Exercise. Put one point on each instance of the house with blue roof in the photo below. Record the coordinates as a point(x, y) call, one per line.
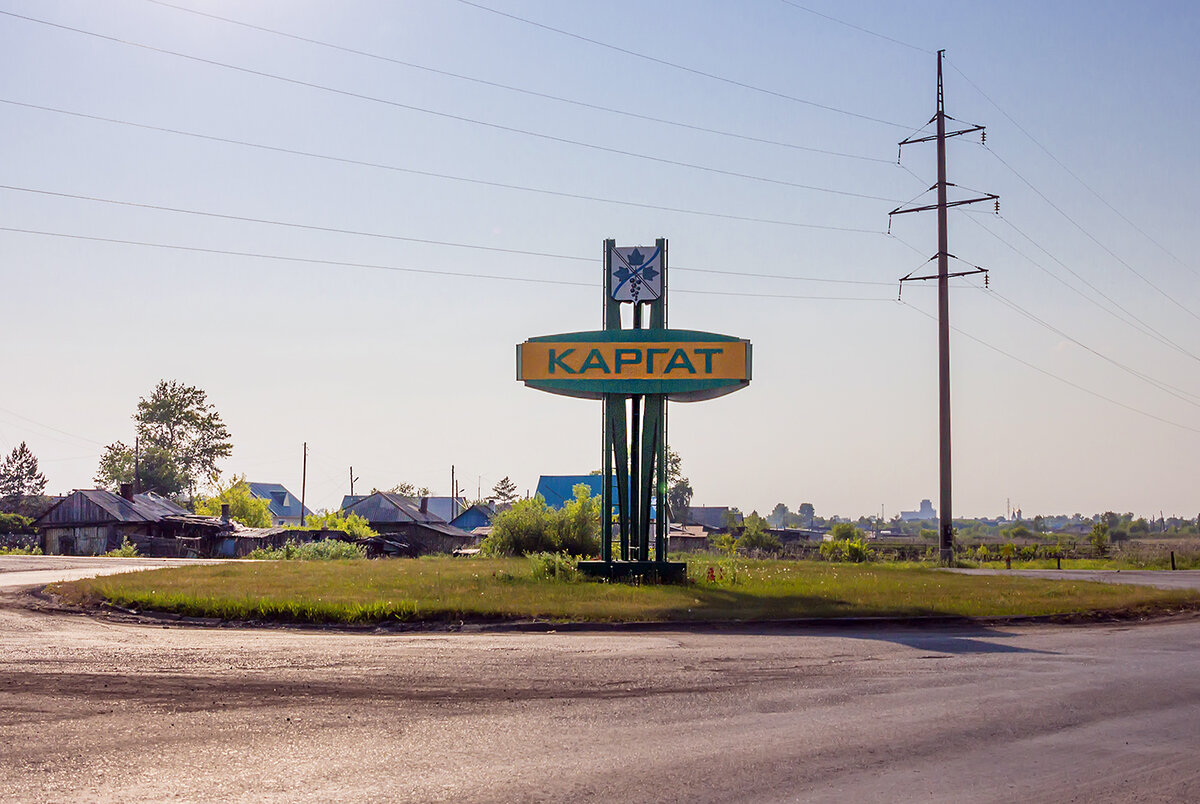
point(558, 490)
point(285, 506)
point(477, 516)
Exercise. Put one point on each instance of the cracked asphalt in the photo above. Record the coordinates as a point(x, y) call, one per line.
point(98, 710)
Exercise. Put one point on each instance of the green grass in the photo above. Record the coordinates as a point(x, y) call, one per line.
point(444, 589)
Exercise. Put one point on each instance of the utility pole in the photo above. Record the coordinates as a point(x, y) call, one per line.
point(303, 483)
point(943, 276)
point(137, 467)
point(453, 494)
point(352, 479)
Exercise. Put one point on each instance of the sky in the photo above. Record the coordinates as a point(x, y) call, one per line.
point(338, 218)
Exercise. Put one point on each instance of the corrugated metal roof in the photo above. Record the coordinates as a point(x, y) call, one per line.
point(385, 507)
point(100, 505)
point(282, 502)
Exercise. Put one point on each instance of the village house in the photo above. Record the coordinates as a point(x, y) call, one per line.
point(90, 522)
point(285, 506)
point(409, 522)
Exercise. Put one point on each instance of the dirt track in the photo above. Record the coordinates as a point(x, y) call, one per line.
point(98, 711)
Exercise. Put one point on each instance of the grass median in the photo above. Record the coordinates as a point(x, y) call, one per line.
point(478, 590)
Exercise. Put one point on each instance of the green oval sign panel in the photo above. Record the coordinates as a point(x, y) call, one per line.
point(687, 365)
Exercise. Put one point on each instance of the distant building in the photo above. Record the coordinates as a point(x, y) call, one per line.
point(477, 516)
point(926, 511)
point(410, 522)
point(712, 517)
point(285, 506)
point(558, 490)
point(445, 507)
point(90, 522)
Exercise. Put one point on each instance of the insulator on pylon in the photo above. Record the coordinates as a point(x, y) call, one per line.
point(997, 206)
point(986, 277)
point(983, 136)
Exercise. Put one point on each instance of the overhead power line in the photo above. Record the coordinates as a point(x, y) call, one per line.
point(403, 269)
point(859, 28)
point(404, 238)
point(450, 116)
point(1057, 377)
point(522, 90)
point(1131, 319)
point(1070, 172)
point(1175, 391)
point(437, 175)
point(676, 66)
point(1094, 239)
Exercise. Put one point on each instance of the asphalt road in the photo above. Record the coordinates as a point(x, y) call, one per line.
point(100, 711)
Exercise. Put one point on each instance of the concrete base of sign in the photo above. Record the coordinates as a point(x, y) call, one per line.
point(648, 571)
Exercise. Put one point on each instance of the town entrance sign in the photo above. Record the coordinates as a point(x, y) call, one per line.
point(635, 371)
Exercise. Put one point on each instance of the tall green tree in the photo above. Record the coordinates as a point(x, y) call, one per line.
point(20, 478)
point(181, 438)
point(679, 488)
point(156, 471)
point(505, 490)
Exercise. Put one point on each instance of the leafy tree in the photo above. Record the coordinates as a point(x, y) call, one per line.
point(1039, 523)
point(406, 489)
point(844, 530)
point(505, 490)
point(679, 488)
point(181, 438)
point(244, 507)
point(1020, 532)
point(779, 516)
point(156, 471)
point(756, 537)
point(19, 478)
point(807, 514)
point(1099, 538)
point(356, 526)
point(679, 499)
point(15, 523)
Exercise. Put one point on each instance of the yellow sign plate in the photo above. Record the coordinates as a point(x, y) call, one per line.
point(665, 360)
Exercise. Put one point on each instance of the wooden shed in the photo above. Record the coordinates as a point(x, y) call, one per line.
point(90, 522)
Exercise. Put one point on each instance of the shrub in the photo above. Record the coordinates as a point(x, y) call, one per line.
point(982, 553)
point(15, 523)
point(20, 551)
point(553, 567)
point(723, 543)
point(531, 526)
point(126, 550)
point(756, 538)
point(323, 550)
point(1029, 552)
point(352, 524)
point(847, 550)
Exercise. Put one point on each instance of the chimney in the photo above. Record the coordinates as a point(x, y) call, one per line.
point(225, 513)
point(424, 505)
point(127, 491)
